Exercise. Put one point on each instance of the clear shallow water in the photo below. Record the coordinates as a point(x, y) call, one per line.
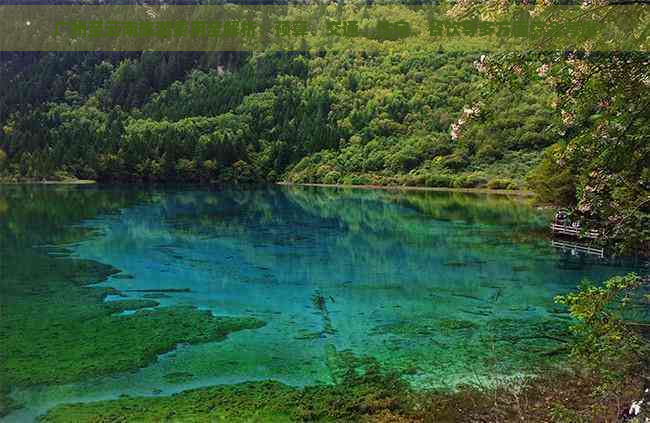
point(441, 287)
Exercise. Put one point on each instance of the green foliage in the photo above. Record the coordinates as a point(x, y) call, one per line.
point(501, 183)
point(370, 118)
point(552, 180)
point(470, 181)
point(441, 181)
point(605, 342)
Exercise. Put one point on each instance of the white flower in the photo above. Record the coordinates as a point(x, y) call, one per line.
point(474, 110)
point(542, 70)
point(635, 408)
point(480, 65)
point(467, 114)
point(455, 131)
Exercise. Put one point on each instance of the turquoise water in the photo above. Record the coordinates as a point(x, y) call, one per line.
point(445, 288)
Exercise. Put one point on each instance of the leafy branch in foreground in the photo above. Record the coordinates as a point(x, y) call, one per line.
point(598, 161)
point(606, 343)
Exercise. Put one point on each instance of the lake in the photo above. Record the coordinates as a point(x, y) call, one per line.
point(443, 288)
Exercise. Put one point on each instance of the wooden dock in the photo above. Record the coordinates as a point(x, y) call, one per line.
point(579, 248)
point(575, 232)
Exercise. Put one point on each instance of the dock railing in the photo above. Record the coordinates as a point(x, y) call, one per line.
point(570, 246)
point(572, 231)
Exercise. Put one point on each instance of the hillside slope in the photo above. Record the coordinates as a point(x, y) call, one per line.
point(327, 117)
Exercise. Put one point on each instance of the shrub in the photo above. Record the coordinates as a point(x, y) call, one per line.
point(439, 181)
point(456, 162)
point(186, 169)
point(552, 179)
point(386, 180)
point(403, 160)
point(87, 172)
point(374, 161)
point(356, 180)
point(489, 153)
point(208, 169)
point(502, 183)
point(243, 172)
point(470, 181)
point(414, 180)
point(61, 175)
point(443, 147)
point(332, 177)
point(321, 171)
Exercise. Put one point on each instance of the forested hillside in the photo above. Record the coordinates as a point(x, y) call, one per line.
point(328, 117)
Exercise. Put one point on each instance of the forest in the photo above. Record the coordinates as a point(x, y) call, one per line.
point(329, 117)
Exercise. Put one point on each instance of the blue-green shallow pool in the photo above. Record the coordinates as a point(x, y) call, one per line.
point(445, 288)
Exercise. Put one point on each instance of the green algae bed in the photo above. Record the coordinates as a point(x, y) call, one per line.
point(362, 388)
point(364, 392)
point(56, 329)
point(247, 402)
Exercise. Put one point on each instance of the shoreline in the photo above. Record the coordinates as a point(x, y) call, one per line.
point(67, 182)
point(521, 193)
